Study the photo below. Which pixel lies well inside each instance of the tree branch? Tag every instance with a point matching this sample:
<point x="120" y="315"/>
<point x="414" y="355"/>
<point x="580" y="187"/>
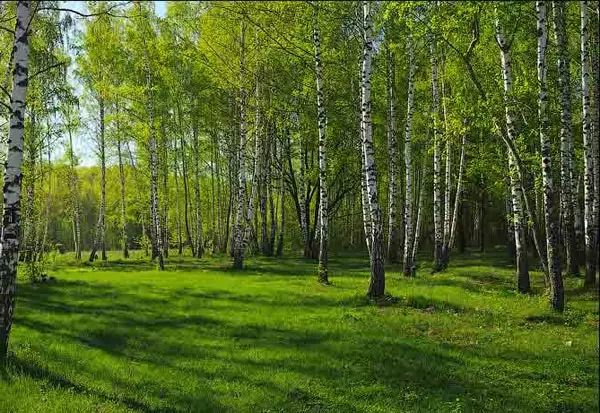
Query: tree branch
<point x="101" y="13"/>
<point x="46" y="69"/>
<point x="466" y="57"/>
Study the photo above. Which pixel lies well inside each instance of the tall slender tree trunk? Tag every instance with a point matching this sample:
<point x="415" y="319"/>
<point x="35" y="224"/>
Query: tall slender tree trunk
<point x="588" y="153"/>
<point x="377" y="281"/>
<point x="510" y="224"/>
<point x="123" y="202"/>
<point x="556" y="283"/>
<point x="364" y="197"/>
<point x="447" y="176"/>
<point x="282" y="148"/>
<point x="437" y="190"/>
<point x="221" y="239"/>
<point x="251" y="234"/>
<point x="11" y="218"/>
<point x="164" y="166"/>
<point x="271" y="186"/>
<point x="186" y="196"/>
<point x="199" y="243"/>
<point x="408" y="198"/>
<point x="238" y="253"/>
<point x="323" y="195"/>
<point x="457" y="199"/>
<point x="153" y="149"/>
<point x="419" y="223"/>
<point x="30" y="222"/>
<point x="578" y="212"/>
<point x="214" y="203"/>
<point x="566" y="139"/>
<point x="100" y="238"/>
<point x="177" y="201"/>
<point x="233" y="178"/>
<point x="515" y="176"/>
<point x="302" y="200"/>
<point x="263" y="187"/>
<point x="596" y="127"/>
<point x="393" y="236"/>
<point x="76" y="219"/>
<point x="42" y="247"/>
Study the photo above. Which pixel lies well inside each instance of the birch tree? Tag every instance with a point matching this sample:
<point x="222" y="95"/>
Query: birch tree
<point x="392" y="246"/>
<point x="459" y="188"/>
<point x="556" y="284"/>
<point x="196" y="147"/>
<point x="437" y="190"/>
<point x="448" y="170"/>
<point x="588" y="153"/>
<point x="100" y="237"/>
<point x="596" y="127"/>
<point x="124" y="240"/>
<point x="238" y="250"/>
<point x="408" y="199"/>
<point x="566" y="138"/>
<point x="321" y="120"/>
<point x="11" y="216"/>
<point x="516" y="187"/>
<point x="377" y="281"/>
<point x="153" y="152"/>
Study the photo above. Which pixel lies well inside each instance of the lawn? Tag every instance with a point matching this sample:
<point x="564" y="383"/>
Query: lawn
<point x="201" y="337"/>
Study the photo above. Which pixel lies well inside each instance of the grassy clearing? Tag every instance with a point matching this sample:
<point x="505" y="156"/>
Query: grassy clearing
<point x="200" y="337"/>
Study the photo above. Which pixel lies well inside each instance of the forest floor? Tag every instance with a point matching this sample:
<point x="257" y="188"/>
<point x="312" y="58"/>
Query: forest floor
<point x="201" y="337"/>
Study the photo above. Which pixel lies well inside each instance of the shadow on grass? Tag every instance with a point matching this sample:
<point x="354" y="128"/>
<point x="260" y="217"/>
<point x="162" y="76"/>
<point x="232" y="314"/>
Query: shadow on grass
<point x="359" y="367"/>
<point x="38" y="372"/>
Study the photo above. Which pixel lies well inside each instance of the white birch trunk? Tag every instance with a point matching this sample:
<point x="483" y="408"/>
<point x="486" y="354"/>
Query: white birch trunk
<point x="153" y="152"/>
<point x="457" y="199"/>
<point x="199" y="241"/>
<point x="437" y="190"/>
<point x="596" y="129"/>
<point x="11" y="217"/>
<point x="392" y="246"/>
<point x="588" y="153"/>
<point x="238" y="250"/>
<point x="323" y="194"/>
<point x="419" y="223"/>
<point x="364" y="199"/>
<point x="122" y="187"/>
<point x="408" y="198"/>
<point x="555" y="276"/>
<point x="250" y="235"/>
<point x="447" y="175"/>
<point x="515" y="178"/>
<point x="272" y="191"/>
<point x="302" y="200"/>
<point x="377" y="282"/>
<point x="282" y="149"/>
<point x="566" y="138"/>
<point x="100" y="237"/>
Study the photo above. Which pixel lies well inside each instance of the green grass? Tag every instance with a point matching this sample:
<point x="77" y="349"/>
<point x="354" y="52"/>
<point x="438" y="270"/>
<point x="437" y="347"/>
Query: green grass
<point x="201" y="337"/>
